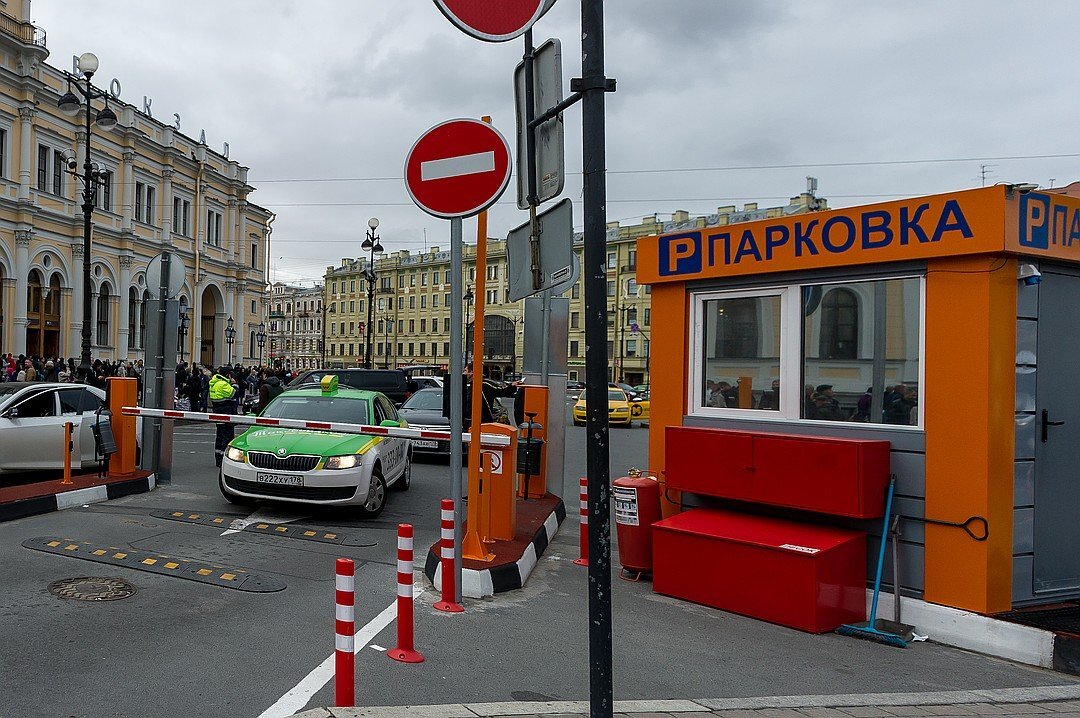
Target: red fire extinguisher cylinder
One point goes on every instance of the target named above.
(637, 507)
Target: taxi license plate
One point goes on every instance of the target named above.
(426, 444)
(286, 479)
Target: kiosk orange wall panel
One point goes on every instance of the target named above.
(668, 382)
(970, 379)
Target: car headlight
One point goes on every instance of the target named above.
(342, 462)
(621, 410)
(235, 454)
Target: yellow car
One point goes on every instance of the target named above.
(619, 408)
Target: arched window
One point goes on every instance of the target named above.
(839, 325)
(103, 315)
(142, 318)
(133, 318)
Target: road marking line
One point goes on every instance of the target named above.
(263, 517)
(459, 166)
(297, 697)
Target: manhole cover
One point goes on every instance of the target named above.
(92, 588)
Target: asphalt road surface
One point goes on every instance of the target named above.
(198, 648)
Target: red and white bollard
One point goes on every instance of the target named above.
(583, 537)
(446, 558)
(404, 651)
(344, 673)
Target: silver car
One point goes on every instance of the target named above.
(32, 418)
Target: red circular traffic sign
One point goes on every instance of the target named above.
(494, 21)
(458, 168)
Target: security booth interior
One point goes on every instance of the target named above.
(805, 360)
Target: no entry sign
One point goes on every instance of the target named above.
(458, 168)
(494, 20)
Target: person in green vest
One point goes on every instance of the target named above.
(223, 401)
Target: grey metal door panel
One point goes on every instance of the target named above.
(1057, 459)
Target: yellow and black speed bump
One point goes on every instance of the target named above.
(295, 531)
(210, 573)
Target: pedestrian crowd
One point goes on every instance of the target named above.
(59, 369)
(898, 402)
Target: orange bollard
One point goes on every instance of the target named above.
(123, 392)
(67, 454)
(405, 651)
(446, 557)
(583, 538)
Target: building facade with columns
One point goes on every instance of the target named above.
(162, 190)
(294, 322)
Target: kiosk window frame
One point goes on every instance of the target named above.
(792, 358)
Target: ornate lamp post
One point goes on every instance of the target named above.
(322, 342)
(373, 246)
(467, 298)
(230, 337)
(260, 339)
(183, 330)
(93, 173)
(388, 324)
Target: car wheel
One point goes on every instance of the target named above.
(232, 498)
(405, 480)
(376, 498)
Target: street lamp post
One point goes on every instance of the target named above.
(93, 173)
(373, 246)
(388, 322)
(184, 320)
(230, 337)
(322, 342)
(619, 316)
(467, 299)
(260, 339)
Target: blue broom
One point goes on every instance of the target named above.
(868, 630)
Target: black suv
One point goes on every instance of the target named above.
(391, 382)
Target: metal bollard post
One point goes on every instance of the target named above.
(446, 557)
(344, 649)
(583, 538)
(68, 426)
(404, 651)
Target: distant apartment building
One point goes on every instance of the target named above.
(412, 301)
(294, 327)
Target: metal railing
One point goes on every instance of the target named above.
(22, 31)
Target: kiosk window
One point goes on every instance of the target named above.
(861, 345)
(841, 351)
(740, 353)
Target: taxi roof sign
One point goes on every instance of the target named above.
(329, 383)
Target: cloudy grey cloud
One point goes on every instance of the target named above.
(326, 90)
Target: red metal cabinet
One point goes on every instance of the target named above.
(804, 576)
(843, 477)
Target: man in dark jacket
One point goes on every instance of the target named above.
(271, 387)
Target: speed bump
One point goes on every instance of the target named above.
(229, 577)
(296, 531)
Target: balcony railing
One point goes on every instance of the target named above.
(22, 31)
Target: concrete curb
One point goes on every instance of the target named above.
(488, 582)
(705, 705)
(78, 497)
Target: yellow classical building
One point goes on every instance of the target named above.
(162, 189)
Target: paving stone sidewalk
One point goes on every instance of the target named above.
(1055, 701)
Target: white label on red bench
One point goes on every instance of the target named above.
(626, 505)
(800, 549)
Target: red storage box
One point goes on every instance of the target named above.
(808, 577)
(843, 477)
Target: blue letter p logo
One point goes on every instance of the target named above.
(1034, 220)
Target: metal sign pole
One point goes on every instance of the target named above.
(455, 396)
(593, 86)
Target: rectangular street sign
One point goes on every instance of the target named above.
(548, 92)
(554, 252)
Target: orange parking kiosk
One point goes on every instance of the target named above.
(945, 325)
(536, 402)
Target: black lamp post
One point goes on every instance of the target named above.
(618, 314)
(373, 246)
(184, 321)
(93, 173)
(322, 342)
(260, 339)
(467, 298)
(388, 324)
(230, 337)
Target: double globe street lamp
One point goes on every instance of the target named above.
(230, 337)
(260, 339)
(93, 175)
(373, 246)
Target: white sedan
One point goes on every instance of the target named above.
(32, 418)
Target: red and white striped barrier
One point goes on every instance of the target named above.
(404, 651)
(344, 673)
(446, 556)
(583, 538)
(340, 428)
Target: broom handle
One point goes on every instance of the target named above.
(881, 551)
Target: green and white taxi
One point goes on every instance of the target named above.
(320, 467)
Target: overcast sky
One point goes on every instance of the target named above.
(322, 99)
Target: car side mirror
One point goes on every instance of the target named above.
(390, 423)
(12, 413)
